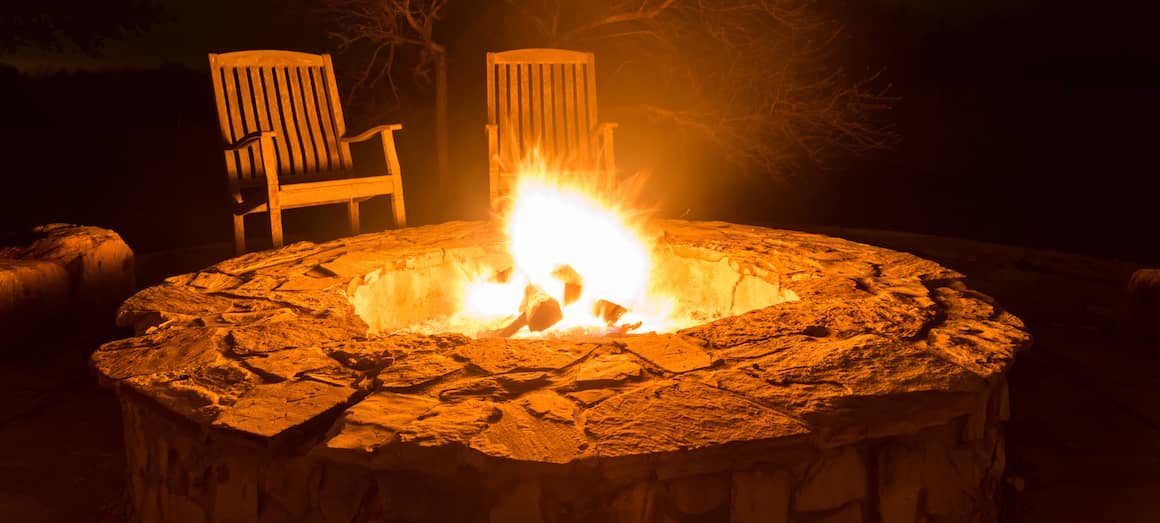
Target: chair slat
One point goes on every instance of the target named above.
(274, 110)
(289, 122)
(583, 102)
(526, 138)
(336, 111)
(504, 121)
(536, 107)
(312, 141)
(219, 89)
(297, 96)
(570, 109)
(559, 117)
(326, 119)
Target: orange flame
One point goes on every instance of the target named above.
(580, 220)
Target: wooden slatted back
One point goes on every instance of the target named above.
(544, 97)
(292, 94)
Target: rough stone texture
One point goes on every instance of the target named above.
(68, 272)
(258, 374)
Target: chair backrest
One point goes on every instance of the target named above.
(544, 97)
(290, 93)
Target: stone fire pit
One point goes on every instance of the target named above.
(867, 385)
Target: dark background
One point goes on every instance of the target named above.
(1025, 123)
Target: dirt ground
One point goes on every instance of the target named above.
(1083, 442)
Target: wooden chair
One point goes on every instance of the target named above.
(543, 98)
(285, 139)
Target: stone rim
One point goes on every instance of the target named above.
(203, 353)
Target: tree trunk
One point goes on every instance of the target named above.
(442, 162)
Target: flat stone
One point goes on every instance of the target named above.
(373, 422)
(449, 423)
(607, 369)
(519, 435)
(669, 416)
(417, 369)
(280, 334)
(590, 397)
(308, 363)
(269, 410)
(171, 350)
(549, 405)
(846, 385)
(670, 352)
(495, 355)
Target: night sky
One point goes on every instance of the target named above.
(195, 27)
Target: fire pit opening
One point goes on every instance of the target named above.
(428, 298)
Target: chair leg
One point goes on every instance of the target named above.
(239, 234)
(352, 216)
(399, 210)
(276, 227)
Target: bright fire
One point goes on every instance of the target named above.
(560, 220)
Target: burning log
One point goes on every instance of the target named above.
(573, 284)
(540, 310)
(608, 311)
(503, 276)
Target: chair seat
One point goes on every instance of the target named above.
(305, 194)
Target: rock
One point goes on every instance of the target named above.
(669, 352)
(520, 505)
(851, 513)
(504, 355)
(1144, 305)
(699, 494)
(270, 410)
(590, 397)
(416, 370)
(373, 422)
(760, 495)
(450, 423)
(607, 369)
(549, 405)
(642, 503)
(516, 434)
(899, 485)
(65, 274)
(832, 481)
(669, 416)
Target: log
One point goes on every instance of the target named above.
(542, 311)
(573, 283)
(608, 311)
(503, 276)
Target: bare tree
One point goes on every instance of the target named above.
(755, 76)
(388, 28)
(752, 77)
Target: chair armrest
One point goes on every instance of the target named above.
(249, 140)
(367, 134)
(606, 126)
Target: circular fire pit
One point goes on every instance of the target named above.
(864, 384)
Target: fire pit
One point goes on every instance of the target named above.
(844, 382)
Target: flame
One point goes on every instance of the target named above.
(580, 220)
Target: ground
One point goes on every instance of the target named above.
(1084, 439)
